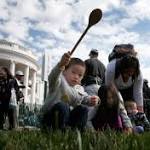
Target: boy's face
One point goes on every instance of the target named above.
(19, 77)
(74, 74)
(131, 108)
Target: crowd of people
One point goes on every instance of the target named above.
(85, 94)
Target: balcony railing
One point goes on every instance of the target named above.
(17, 48)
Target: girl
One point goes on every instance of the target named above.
(111, 112)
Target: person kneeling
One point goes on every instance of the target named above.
(139, 120)
(66, 102)
(111, 113)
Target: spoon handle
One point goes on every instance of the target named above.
(85, 31)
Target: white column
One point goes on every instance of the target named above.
(12, 67)
(33, 88)
(26, 79)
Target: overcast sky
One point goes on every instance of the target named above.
(56, 25)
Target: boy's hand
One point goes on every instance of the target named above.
(140, 108)
(128, 130)
(94, 100)
(64, 60)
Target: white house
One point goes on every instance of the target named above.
(16, 57)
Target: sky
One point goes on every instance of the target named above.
(54, 26)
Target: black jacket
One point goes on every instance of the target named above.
(95, 72)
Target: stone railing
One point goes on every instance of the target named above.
(17, 48)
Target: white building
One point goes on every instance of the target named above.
(16, 57)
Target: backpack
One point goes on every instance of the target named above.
(122, 50)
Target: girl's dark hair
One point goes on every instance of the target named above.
(75, 61)
(129, 62)
(9, 75)
(103, 92)
(105, 114)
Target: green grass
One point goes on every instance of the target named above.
(72, 140)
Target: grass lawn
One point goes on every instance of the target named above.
(72, 140)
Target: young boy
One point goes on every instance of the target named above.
(138, 119)
(65, 91)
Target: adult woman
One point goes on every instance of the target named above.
(7, 83)
(125, 74)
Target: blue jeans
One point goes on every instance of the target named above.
(60, 116)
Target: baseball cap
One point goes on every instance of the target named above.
(145, 80)
(93, 52)
(20, 73)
